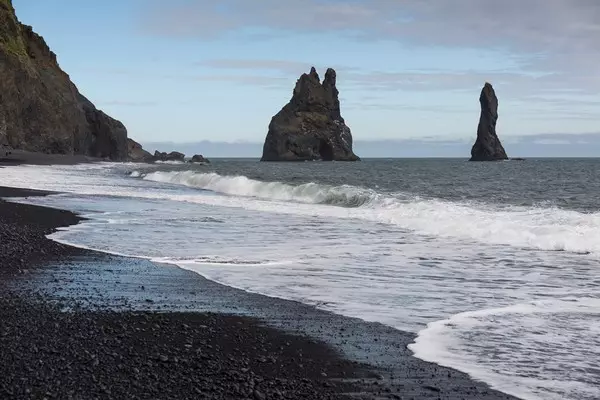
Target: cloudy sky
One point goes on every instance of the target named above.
(191, 70)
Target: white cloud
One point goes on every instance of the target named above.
(541, 26)
(559, 37)
(552, 142)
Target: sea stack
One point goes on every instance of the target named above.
(41, 110)
(310, 127)
(487, 147)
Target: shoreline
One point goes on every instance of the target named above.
(83, 354)
(367, 359)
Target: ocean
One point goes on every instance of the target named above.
(494, 266)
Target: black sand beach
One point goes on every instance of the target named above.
(77, 324)
(16, 157)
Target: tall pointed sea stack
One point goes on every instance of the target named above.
(310, 126)
(41, 110)
(487, 147)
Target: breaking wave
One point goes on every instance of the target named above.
(542, 228)
(170, 162)
(311, 193)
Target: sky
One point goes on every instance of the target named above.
(194, 70)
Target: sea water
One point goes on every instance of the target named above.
(496, 266)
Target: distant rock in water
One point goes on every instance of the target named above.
(172, 156)
(310, 126)
(199, 158)
(136, 153)
(41, 110)
(487, 147)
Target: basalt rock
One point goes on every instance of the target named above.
(487, 147)
(310, 126)
(41, 110)
(199, 158)
(136, 153)
(172, 156)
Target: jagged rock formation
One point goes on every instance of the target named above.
(310, 126)
(487, 147)
(136, 153)
(172, 156)
(41, 110)
(199, 158)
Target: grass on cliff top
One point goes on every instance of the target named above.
(11, 38)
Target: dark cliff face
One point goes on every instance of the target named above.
(487, 147)
(310, 126)
(40, 108)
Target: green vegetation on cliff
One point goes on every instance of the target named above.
(11, 37)
(15, 46)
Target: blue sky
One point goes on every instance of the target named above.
(184, 70)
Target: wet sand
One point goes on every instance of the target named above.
(134, 329)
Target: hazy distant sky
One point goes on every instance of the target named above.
(185, 70)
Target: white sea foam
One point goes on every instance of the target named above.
(219, 261)
(311, 193)
(539, 228)
(544, 228)
(170, 162)
(539, 341)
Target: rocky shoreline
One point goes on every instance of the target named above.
(116, 355)
(129, 332)
(87, 355)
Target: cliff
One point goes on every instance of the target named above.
(310, 126)
(41, 110)
(487, 147)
